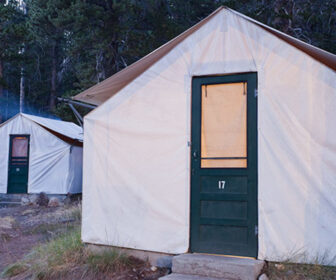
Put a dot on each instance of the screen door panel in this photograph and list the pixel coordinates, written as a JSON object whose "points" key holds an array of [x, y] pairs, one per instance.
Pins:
{"points": [[18, 164], [223, 213], [223, 131]]}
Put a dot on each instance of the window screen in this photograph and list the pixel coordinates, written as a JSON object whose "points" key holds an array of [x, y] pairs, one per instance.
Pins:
{"points": [[223, 131], [20, 146]]}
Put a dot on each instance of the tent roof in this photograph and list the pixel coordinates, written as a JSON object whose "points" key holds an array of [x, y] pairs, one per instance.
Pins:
{"points": [[64, 128], [67, 131], [100, 92]]}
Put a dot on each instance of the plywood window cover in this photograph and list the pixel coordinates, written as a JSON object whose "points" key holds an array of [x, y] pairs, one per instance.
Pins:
{"points": [[20, 146], [224, 125]]}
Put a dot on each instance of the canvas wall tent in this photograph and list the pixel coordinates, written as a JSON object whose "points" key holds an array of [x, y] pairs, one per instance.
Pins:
{"points": [[221, 141], [40, 155]]}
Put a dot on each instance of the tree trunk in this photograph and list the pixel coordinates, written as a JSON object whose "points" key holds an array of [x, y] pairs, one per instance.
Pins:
{"points": [[22, 89], [52, 100], [1, 90]]}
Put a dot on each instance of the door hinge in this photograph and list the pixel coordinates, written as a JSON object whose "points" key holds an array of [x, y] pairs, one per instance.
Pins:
{"points": [[256, 93], [256, 230]]}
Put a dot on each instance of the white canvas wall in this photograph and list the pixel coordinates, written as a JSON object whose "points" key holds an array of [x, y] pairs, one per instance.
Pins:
{"points": [[75, 170], [136, 153], [49, 158]]}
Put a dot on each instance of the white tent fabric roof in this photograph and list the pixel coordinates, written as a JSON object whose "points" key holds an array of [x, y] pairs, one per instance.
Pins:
{"points": [[67, 129]]}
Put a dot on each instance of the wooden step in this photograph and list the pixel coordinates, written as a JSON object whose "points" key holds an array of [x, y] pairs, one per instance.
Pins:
{"points": [[176, 276], [215, 266]]}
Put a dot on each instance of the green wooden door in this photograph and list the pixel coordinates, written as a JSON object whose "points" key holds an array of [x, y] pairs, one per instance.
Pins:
{"points": [[224, 165], [18, 164]]}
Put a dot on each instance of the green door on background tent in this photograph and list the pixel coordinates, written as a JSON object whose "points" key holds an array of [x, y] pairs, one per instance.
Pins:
{"points": [[18, 163], [224, 165]]}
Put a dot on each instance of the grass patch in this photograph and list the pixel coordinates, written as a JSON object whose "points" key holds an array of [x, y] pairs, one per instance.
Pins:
{"points": [[57, 256], [14, 269], [52, 229], [75, 212], [294, 271], [55, 223], [109, 260], [65, 254]]}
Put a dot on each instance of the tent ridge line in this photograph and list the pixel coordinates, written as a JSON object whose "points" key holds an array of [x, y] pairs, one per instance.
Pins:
{"points": [[318, 54]]}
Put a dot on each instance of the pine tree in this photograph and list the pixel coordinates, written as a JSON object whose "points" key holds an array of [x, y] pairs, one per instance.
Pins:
{"points": [[48, 32], [12, 34], [71, 45]]}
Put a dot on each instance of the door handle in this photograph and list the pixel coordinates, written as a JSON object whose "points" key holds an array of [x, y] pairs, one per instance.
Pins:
{"points": [[195, 154]]}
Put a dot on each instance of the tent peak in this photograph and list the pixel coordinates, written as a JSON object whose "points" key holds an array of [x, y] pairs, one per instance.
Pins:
{"points": [[102, 91], [67, 131], [58, 127]]}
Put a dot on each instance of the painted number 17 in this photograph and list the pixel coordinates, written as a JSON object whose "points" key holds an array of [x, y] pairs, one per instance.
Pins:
{"points": [[221, 185]]}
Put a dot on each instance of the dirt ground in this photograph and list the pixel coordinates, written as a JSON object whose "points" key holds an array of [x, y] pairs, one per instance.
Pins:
{"points": [[24, 227], [18, 234]]}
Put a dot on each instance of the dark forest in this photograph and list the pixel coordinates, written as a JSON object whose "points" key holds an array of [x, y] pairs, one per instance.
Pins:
{"points": [[57, 48]]}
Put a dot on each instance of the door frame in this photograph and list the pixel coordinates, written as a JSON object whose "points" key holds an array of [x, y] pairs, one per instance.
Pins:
{"points": [[11, 136], [252, 141]]}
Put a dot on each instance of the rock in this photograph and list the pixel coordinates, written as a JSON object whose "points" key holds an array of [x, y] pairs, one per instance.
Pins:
{"points": [[165, 262], [7, 222], [290, 273], [279, 266], [54, 202], [25, 201], [42, 199], [27, 212], [153, 268], [33, 198], [263, 277], [67, 200], [67, 220]]}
